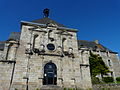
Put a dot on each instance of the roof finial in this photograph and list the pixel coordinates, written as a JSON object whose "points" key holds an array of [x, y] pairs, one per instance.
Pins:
{"points": [[46, 12]]}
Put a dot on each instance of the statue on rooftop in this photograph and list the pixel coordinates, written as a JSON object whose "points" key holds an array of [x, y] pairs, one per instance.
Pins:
{"points": [[46, 12]]}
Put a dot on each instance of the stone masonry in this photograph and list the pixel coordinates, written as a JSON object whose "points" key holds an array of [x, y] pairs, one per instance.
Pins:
{"points": [[47, 53]]}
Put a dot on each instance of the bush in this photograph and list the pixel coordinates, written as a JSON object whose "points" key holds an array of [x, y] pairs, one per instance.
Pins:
{"points": [[64, 89], [108, 79], [69, 89], [95, 80], [118, 79], [37, 89]]}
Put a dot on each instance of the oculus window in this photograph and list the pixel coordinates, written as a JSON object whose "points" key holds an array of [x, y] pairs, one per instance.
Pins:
{"points": [[51, 47]]}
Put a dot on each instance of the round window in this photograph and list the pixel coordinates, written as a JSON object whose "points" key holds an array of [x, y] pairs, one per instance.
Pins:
{"points": [[51, 46]]}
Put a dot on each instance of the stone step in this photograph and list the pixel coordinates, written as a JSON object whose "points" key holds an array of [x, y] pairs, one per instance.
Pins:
{"points": [[51, 87]]}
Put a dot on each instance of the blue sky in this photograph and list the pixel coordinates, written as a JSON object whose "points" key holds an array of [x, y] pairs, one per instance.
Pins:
{"points": [[95, 19]]}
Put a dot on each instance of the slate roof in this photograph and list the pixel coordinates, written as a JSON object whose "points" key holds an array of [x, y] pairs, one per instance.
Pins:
{"points": [[2, 44], [47, 20], [14, 36], [91, 45]]}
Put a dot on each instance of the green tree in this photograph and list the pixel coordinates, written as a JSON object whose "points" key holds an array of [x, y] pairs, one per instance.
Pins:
{"points": [[97, 66]]}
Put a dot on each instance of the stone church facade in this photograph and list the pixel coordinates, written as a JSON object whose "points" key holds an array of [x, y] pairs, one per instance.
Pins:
{"points": [[46, 53]]}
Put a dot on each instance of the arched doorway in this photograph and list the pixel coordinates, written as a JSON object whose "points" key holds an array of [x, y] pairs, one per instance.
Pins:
{"points": [[50, 74]]}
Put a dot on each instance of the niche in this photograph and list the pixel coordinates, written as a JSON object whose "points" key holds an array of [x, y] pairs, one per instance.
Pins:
{"points": [[51, 35], [64, 44], [35, 41]]}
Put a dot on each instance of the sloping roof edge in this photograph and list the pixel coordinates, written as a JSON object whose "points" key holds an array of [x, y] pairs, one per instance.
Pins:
{"points": [[47, 20], [44, 25]]}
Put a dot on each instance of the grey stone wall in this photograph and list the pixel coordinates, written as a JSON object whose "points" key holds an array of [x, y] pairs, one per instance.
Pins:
{"points": [[22, 62], [5, 75], [32, 66], [72, 71], [84, 68]]}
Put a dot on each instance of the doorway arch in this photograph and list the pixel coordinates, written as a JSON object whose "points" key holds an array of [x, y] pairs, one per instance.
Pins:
{"points": [[50, 74]]}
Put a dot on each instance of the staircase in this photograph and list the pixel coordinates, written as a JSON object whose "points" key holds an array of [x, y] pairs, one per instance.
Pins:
{"points": [[51, 87]]}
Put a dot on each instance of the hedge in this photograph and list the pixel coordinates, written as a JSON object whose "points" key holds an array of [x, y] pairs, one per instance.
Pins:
{"points": [[118, 79], [108, 79]]}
